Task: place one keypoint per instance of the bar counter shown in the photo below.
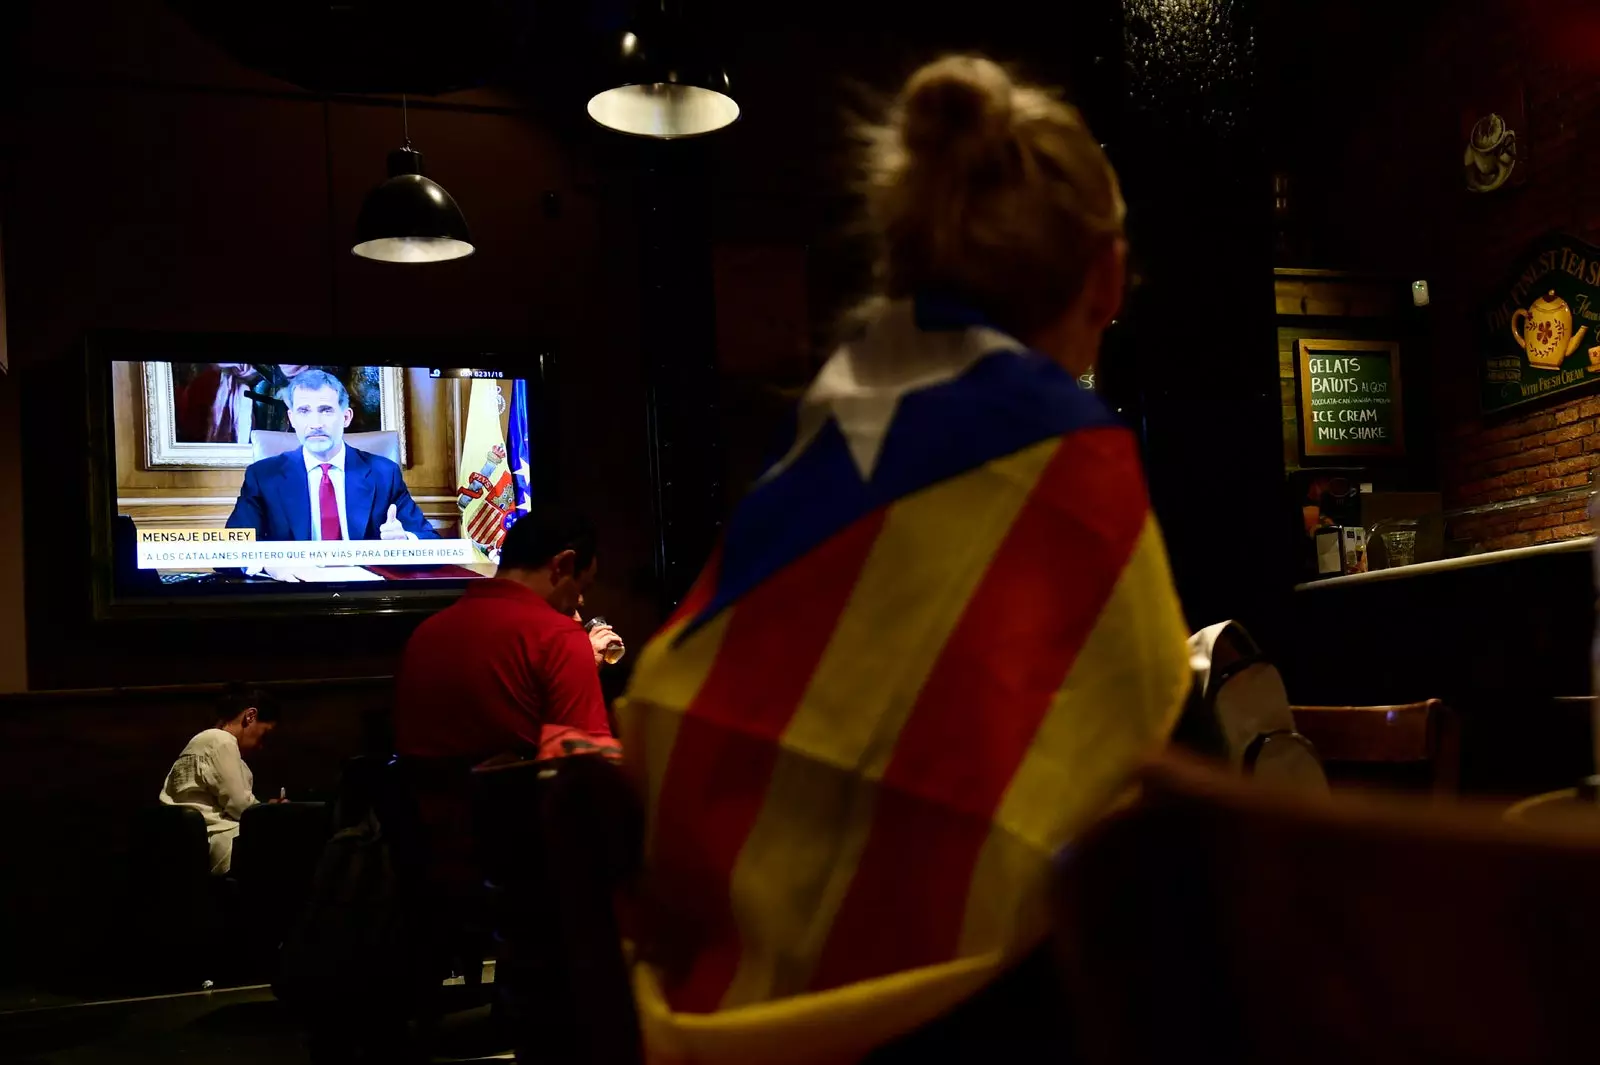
(1421, 569)
(1498, 625)
(1503, 637)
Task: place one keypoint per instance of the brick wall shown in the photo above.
(1546, 451)
(1391, 199)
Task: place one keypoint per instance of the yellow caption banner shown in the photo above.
(197, 536)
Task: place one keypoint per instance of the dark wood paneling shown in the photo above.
(527, 267)
(140, 40)
(161, 210)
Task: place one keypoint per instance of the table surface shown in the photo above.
(1419, 569)
(1555, 809)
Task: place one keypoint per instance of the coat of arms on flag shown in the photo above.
(486, 502)
(487, 494)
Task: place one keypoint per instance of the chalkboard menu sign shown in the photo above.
(1539, 327)
(1350, 399)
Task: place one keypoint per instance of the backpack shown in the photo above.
(1244, 700)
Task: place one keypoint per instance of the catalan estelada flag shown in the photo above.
(938, 635)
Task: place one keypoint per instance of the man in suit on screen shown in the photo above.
(325, 489)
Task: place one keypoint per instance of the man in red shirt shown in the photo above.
(506, 662)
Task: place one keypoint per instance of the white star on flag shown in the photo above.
(861, 385)
(523, 475)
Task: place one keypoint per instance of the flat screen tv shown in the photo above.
(306, 475)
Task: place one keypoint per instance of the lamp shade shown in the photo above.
(410, 218)
(665, 85)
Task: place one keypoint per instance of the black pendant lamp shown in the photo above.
(409, 218)
(666, 84)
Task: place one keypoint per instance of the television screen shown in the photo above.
(329, 479)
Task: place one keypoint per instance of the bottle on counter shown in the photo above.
(1355, 549)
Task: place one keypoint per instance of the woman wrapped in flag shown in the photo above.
(940, 629)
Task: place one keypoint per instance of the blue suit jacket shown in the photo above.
(275, 503)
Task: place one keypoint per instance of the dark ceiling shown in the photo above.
(363, 46)
(374, 46)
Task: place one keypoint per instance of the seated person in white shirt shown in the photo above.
(323, 489)
(210, 774)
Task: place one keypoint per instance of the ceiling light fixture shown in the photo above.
(667, 84)
(409, 218)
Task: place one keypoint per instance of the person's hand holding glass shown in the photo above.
(608, 646)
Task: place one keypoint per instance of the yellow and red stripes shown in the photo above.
(797, 865)
(1120, 699)
(850, 768)
(980, 708)
(726, 745)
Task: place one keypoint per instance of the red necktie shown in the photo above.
(328, 503)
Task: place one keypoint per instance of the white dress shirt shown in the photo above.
(314, 484)
(210, 776)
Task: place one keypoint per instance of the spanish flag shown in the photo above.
(935, 640)
(486, 496)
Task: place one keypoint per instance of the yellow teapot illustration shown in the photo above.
(1548, 336)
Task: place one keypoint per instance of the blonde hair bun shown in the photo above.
(990, 190)
(958, 106)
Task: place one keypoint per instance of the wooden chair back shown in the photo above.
(1221, 920)
(1368, 743)
(558, 840)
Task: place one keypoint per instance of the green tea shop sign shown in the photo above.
(1350, 399)
(1540, 329)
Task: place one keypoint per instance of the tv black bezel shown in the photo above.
(517, 359)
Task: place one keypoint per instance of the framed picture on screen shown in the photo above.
(199, 415)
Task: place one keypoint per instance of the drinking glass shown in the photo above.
(612, 651)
